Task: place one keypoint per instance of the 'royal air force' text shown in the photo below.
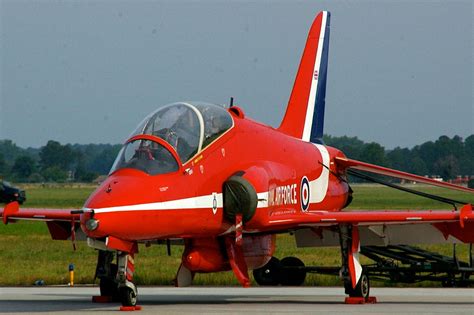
(282, 195)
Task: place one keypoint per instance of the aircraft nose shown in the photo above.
(106, 207)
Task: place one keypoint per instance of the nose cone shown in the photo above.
(125, 187)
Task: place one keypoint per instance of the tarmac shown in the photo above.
(232, 300)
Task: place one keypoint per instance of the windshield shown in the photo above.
(178, 125)
(147, 156)
(187, 127)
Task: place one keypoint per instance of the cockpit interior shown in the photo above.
(187, 127)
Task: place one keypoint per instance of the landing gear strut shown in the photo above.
(356, 281)
(127, 289)
(106, 271)
(116, 279)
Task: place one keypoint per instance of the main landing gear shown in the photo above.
(356, 281)
(106, 271)
(116, 279)
(290, 271)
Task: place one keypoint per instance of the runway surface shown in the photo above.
(225, 300)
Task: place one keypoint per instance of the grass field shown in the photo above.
(27, 253)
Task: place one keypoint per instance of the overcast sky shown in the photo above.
(400, 72)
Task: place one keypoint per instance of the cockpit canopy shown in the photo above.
(187, 127)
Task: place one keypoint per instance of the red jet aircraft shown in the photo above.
(225, 185)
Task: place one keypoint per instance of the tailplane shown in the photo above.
(304, 117)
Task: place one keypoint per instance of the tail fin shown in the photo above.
(304, 117)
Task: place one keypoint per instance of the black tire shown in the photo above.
(127, 296)
(362, 288)
(268, 275)
(292, 272)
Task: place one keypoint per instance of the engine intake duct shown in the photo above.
(239, 197)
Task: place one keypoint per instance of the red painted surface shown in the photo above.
(360, 300)
(295, 111)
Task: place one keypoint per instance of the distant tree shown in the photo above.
(447, 167)
(469, 145)
(399, 158)
(351, 146)
(35, 178)
(428, 153)
(102, 162)
(3, 166)
(417, 166)
(10, 150)
(53, 154)
(373, 153)
(54, 174)
(23, 167)
(466, 162)
(82, 174)
(446, 146)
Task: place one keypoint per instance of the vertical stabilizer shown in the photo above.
(304, 117)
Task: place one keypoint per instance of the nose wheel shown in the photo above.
(128, 296)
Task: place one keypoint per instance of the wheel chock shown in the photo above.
(102, 299)
(130, 308)
(360, 300)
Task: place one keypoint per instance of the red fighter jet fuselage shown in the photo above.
(224, 185)
(187, 200)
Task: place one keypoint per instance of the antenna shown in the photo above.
(231, 101)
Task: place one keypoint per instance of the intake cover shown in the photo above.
(239, 197)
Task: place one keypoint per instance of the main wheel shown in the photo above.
(292, 272)
(362, 288)
(127, 296)
(268, 274)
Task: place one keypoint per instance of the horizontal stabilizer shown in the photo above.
(358, 165)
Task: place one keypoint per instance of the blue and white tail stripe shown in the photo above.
(314, 120)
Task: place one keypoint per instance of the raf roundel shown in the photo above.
(304, 193)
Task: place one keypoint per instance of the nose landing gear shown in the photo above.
(127, 289)
(116, 280)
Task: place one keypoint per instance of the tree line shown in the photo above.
(55, 162)
(445, 157)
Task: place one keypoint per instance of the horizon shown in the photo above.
(121, 143)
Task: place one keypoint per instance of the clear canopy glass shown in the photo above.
(145, 155)
(187, 127)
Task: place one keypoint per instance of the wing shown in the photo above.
(319, 228)
(60, 222)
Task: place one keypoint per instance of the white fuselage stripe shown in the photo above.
(308, 124)
(319, 186)
(200, 202)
